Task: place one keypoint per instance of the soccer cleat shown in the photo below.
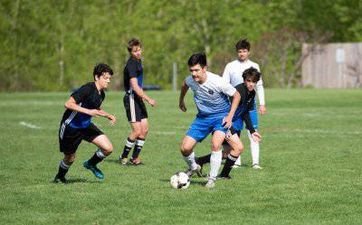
(59, 179)
(210, 183)
(256, 167)
(123, 161)
(224, 177)
(136, 161)
(97, 172)
(197, 171)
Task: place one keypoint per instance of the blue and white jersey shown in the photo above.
(212, 96)
(233, 74)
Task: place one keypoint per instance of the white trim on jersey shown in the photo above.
(66, 122)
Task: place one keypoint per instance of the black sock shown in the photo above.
(230, 161)
(63, 169)
(203, 159)
(127, 148)
(138, 147)
(96, 158)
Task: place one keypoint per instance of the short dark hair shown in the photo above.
(198, 58)
(133, 42)
(243, 44)
(101, 68)
(252, 74)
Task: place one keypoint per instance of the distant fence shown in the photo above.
(332, 65)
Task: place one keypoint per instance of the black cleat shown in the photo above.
(58, 180)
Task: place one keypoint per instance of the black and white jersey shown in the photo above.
(132, 69)
(87, 96)
(246, 104)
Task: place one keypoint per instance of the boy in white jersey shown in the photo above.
(215, 115)
(233, 74)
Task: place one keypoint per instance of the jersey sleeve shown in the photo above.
(80, 94)
(188, 81)
(226, 74)
(132, 69)
(227, 88)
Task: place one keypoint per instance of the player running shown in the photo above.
(76, 124)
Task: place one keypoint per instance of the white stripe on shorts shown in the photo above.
(132, 107)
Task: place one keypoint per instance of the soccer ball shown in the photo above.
(180, 180)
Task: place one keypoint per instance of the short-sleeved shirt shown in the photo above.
(87, 96)
(212, 96)
(246, 104)
(132, 69)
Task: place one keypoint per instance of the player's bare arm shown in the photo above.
(184, 90)
(139, 91)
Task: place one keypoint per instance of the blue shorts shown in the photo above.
(238, 124)
(203, 126)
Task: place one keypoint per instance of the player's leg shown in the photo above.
(64, 167)
(187, 146)
(236, 148)
(140, 141)
(130, 142)
(254, 145)
(216, 157)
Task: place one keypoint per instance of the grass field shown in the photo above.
(311, 154)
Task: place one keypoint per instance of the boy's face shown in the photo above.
(136, 52)
(103, 80)
(198, 73)
(243, 54)
(250, 84)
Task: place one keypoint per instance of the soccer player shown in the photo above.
(233, 74)
(211, 96)
(76, 124)
(133, 102)
(246, 90)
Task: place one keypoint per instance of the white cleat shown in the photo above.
(197, 171)
(256, 167)
(210, 183)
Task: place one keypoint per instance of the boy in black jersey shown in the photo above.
(246, 90)
(76, 124)
(133, 102)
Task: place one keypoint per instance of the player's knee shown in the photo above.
(69, 159)
(215, 147)
(185, 150)
(144, 132)
(108, 149)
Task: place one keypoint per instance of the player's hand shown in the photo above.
(182, 106)
(152, 102)
(227, 122)
(112, 119)
(262, 109)
(256, 136)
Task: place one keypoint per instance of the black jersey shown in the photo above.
(246, 104)
(132, 69)
(88, 97)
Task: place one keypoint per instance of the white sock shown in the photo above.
(238, 161)
(215, 163)
(254, 146)
(190, 160)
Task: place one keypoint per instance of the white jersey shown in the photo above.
(233, 74)
(212, 96)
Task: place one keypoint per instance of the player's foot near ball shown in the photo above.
(97, 172)
(197, 170)
(123, 161)
(210, 183)
(136, 161)
(58, 180)
(256, 167)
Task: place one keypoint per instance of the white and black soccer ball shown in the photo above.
(180, 180)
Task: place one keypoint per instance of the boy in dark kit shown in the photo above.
(133, 102)
(76, 124)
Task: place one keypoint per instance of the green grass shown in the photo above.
(311, 153)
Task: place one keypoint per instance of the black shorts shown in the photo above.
(135, 108)
(232, 131)
(70, 138)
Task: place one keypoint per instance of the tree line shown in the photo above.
(52, 45)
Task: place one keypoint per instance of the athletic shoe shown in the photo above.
(256, 167)
(224, 177)
(58, 179)
(97, 172)
(235, 166)
(210, 183)
(136, 161)
(123, 161)
(197, 171)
